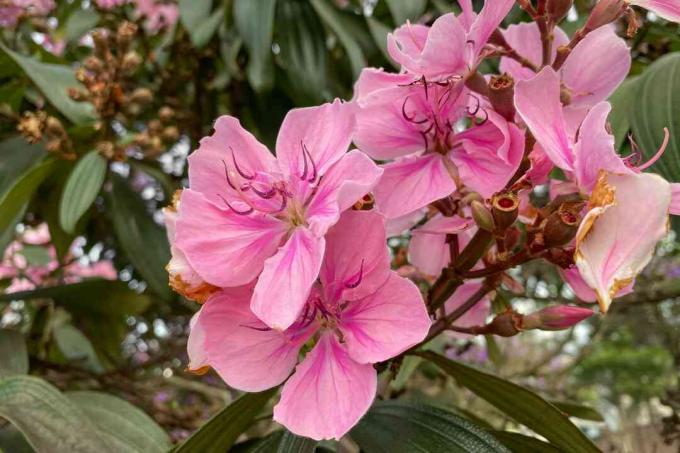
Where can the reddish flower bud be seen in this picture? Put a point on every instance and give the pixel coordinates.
(605, 11)
(560, 227)
(558, 9)
(558, 317)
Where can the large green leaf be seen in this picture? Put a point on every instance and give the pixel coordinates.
(290, 443)
(403, 426)
(48, 420)
(80, 22)
(379, 33)
(254, 20)
(76, 347)
(13, 353)
(622, 101)
(196, 17)
(54, 81)
(16, 156)
(81, 189)
(12, 441)
(303, 53)
(342, 26)
(577, 410)
(523, 406)
(657, 105)
(220, 432)
(519, 443)
(403, 10)
(142, 239)
(124, 427)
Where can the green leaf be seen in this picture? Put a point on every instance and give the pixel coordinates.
(220, 432)
(262, 445)
(13, 353)
(54, 81)
(77, 347)
(578, 410)
(254, 20)
(341, 25)
(290, 443)
(403, 10)
(17, 156)
(519, 443)
(621, 100)
(196, 18)
(303, 51)
(81, 189)
(143, 240)
(12, 441)
(80, 22)
(48, 420)
(523, 406)
(407, 368)
(404, 426)
(13, 202)
(379, 33)
(124, 427)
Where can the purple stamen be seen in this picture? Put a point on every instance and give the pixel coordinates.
(354, 284)
(304, 160)
(236, 211)
(226, 175)
(238, 169)
(311, 160)
(266, 195)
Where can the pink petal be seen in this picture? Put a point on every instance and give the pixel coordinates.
(595, 150)
(489, 154)
(328, 393)
(617, 237)
(412, 183)
(400, 225)
(385, 323)
(488, 19)
(675, 201)
(428, 250)
(345, 183)
(352, 257)
(372, 80)
(573, 278)
(406, 43)
(668, 9)
(283, 287)
(526, 40)
(540, 167)
(538, 103)
(477, 315)
(608, 59)
(196, 344)
(467, 15)
(225, 248)
(239, 346)
(325, 131)
(206, 164)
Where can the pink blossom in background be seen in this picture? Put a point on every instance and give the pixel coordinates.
(360, 312)
(268, 215)
(668, 9)
(11, 10)
(159, 14)
(109, 4)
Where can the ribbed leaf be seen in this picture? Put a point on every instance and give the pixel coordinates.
(290, 443)
(48, 420)
(143, 240)
(403, 426)
(519, 443)
(254, 20)
(577, 410)
(403, 10)
(622, 101)
(82, 187)
(523, 406)
(122, 425)
(221, 431)
(76, 347)
(13, 353)
(54, 80)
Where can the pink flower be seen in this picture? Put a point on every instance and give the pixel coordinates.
(158, 14)
(359, 313)
(627, 212)
(668, 9)
(249, 214)
(109, 4)
(558, 317)
(414, 122)
(11, 10)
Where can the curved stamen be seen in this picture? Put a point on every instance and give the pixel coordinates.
(266, 195)
(658, 154)
(425, 85)
(477, 107)
(226, 175)
(259, 329)
(354, 284)
(427, 143)
(238, 169)
(311, 160)
(236, 211)
(304, 159)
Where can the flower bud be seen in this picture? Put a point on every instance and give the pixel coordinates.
(126, 31)
(501, 95)
(558, 9)
(131, 61)
(604, 12)
(482, 216)
(166, 113)
(93, 64)
(557, 317)
(560, 227)
(505, 208)
(54, 126)
(106, 149)
(141, 96)
(506, 324)
(477, 83)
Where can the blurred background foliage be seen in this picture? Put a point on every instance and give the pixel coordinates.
(98, 176)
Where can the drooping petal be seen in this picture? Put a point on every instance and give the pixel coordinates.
(573, 278)
(668, 9)
(284, 284)
(608, 62)
(328, 393)
(489, 154)
(477, 315)
(526, 40)
(428, 250)
(357, 260)
(229, 142)
(198, 357)
(412, 183)
(346, 182)
(595, 150)
(243, 351)
(538, 103)
(385, 323)
(675, 200)
(325, 132)
(628, 216)
(225, 248)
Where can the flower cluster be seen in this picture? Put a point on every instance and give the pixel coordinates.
(288, 253)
